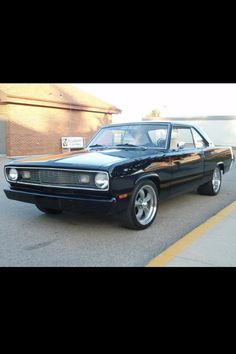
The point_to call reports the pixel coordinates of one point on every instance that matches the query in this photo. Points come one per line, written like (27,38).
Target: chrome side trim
(232,153)
(151,174)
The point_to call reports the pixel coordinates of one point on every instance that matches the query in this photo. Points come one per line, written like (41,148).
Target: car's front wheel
(48,210)
(212,187)
(143,206)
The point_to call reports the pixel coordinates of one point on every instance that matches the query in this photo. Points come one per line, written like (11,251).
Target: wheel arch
(154,177)
(221,166)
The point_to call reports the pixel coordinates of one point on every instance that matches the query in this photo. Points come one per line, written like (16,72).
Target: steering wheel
(161,142)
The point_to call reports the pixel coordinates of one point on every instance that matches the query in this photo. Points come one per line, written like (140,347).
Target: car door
(187,161)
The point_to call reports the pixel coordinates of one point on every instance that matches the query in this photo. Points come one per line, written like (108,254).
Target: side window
(199,141)
(181,135)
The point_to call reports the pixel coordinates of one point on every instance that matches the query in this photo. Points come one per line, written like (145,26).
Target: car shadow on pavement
(86,218)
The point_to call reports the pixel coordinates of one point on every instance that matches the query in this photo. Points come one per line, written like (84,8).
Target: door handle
(177,163)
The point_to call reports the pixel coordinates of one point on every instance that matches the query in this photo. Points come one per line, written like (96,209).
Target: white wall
(220,131)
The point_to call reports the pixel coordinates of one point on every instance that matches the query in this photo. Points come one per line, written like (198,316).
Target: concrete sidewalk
(212,244)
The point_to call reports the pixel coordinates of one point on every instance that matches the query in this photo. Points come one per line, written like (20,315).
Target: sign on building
(72,142)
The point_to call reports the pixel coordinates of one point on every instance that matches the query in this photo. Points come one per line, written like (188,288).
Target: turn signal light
(123,196)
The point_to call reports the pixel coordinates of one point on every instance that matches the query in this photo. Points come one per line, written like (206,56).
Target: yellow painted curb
(172,252)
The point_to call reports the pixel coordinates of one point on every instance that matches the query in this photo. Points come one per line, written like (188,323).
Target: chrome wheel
(145,205)
(216,179)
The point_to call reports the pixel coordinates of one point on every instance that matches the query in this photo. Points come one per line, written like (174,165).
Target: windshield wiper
(96,145)
(131,145)
(114,146)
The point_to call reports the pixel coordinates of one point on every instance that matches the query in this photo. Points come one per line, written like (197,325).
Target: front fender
(152,176)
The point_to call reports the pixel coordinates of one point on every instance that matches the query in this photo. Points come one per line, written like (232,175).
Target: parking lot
(30,238)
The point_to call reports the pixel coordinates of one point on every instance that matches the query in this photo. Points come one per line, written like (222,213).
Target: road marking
(173,251)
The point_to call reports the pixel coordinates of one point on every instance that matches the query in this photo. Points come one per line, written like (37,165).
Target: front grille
(57,178)
(34,177)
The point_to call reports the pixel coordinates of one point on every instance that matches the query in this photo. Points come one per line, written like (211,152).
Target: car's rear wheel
(48,210)
(143,206)
(212,187)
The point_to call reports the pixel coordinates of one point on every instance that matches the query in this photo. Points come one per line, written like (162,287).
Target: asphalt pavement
(31,238)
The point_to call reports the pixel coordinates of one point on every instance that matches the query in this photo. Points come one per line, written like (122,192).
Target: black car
(126,168)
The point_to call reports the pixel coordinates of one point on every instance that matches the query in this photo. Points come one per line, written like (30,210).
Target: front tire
(49,210)
(143,206)
(212,187)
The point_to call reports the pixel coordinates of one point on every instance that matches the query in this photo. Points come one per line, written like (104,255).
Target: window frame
(116,126)
(204,140)
(176,126)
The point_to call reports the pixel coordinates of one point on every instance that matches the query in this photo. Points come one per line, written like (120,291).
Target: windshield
(133,136)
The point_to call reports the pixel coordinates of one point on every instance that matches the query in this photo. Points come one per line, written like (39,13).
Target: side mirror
(181,145)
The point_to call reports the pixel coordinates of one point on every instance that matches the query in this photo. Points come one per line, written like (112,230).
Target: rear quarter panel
(215,155)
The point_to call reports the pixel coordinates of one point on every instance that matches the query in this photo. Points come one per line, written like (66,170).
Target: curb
(174,250)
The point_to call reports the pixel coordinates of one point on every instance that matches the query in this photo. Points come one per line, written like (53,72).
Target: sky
(136,100)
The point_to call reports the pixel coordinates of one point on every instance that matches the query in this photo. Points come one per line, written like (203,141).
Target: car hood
(90,160)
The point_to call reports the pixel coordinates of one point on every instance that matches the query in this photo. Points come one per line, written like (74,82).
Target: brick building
(34,117)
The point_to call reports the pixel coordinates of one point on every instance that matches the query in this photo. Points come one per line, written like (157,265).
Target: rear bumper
(64,202)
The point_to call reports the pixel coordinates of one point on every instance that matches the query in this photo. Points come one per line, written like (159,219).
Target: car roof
(148,123)
(170,123)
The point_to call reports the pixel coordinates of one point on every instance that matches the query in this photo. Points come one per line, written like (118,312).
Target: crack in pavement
(39,245)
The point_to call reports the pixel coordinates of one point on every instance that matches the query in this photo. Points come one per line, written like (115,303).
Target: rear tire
(49,210)
(212,187)
(143,206)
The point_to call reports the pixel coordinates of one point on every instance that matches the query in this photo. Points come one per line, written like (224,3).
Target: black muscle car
(126,168)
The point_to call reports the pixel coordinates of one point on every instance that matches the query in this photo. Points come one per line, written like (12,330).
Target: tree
(154,113)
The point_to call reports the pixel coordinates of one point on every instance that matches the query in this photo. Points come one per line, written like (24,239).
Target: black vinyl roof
(149,123)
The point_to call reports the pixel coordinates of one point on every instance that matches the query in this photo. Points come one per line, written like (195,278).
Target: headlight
(102,180)
(13,174)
